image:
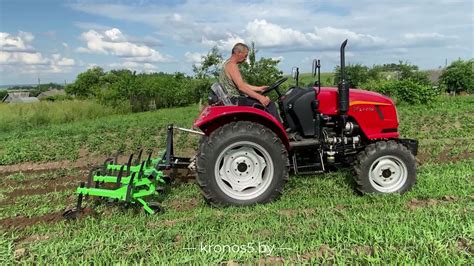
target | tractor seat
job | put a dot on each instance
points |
(217, 96)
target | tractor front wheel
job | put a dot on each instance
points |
(242, 163)
(385, 167)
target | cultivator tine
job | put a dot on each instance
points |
(140, 172)
(79, 198)
(129, 164)
(119, 177)
(117, 154)
(169, 145)
(90, 178)
(106, 163)
(139, 158)
(129, 188)
(148, 160)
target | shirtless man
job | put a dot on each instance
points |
(240, 92)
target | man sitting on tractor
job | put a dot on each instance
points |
(240, 92)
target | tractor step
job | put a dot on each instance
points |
(305, 143)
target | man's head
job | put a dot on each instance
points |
(240, 52)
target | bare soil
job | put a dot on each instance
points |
(323, 251)
(465, 245)
(31, 187)
(184, 204)
(421, 203)
(31, 239)
(84, 162)
(364, 250)
(39, 191)
(22, 222)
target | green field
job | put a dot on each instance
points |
(306, 79)
(319, 219)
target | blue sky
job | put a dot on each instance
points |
(56, 40)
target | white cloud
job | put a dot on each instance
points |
(269, 35)
(62, 61)
(195, 58)
(21, 42)
(18, 49)
(115, 35)
(223, 44)
(134, 66)
(7, 58)
(427, 38)
(378, 27)
(18, 55)
(279, 58)
(113, 42)
(27, 36)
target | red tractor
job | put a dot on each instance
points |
(246, 154)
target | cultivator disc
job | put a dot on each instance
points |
(134, 182)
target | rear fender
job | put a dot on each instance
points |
(213, 117)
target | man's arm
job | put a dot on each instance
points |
(250, 90)
(257, 88)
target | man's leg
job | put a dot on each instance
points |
(270, 108)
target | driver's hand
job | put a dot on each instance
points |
(261, 88)
(264, 100)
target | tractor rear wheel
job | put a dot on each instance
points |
(242, 163)
(385, 167)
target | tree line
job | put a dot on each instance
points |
(145, 91)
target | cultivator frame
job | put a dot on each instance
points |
(132, 182)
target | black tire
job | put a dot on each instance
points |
(395, 153)
(212, 146)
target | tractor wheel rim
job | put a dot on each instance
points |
(244, 170)
(388, 174)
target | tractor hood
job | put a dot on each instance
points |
(328, 99)
(375, 113)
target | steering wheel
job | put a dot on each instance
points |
(274, 86)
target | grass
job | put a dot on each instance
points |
(97, 136)
(307, 79)
(17, 117)
(319, 219)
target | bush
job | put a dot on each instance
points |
(356, 75)
(459, 76)
(140, 92)
(3, 93)
(407, 91)
(87, 83)
(260, 72)
(58, 98)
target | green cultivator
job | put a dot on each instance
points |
(135, 182)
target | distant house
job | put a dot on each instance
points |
(25, 100)
(434, 75)
(14, 95)
(50, 93)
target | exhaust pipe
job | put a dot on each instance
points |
(343, 86)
